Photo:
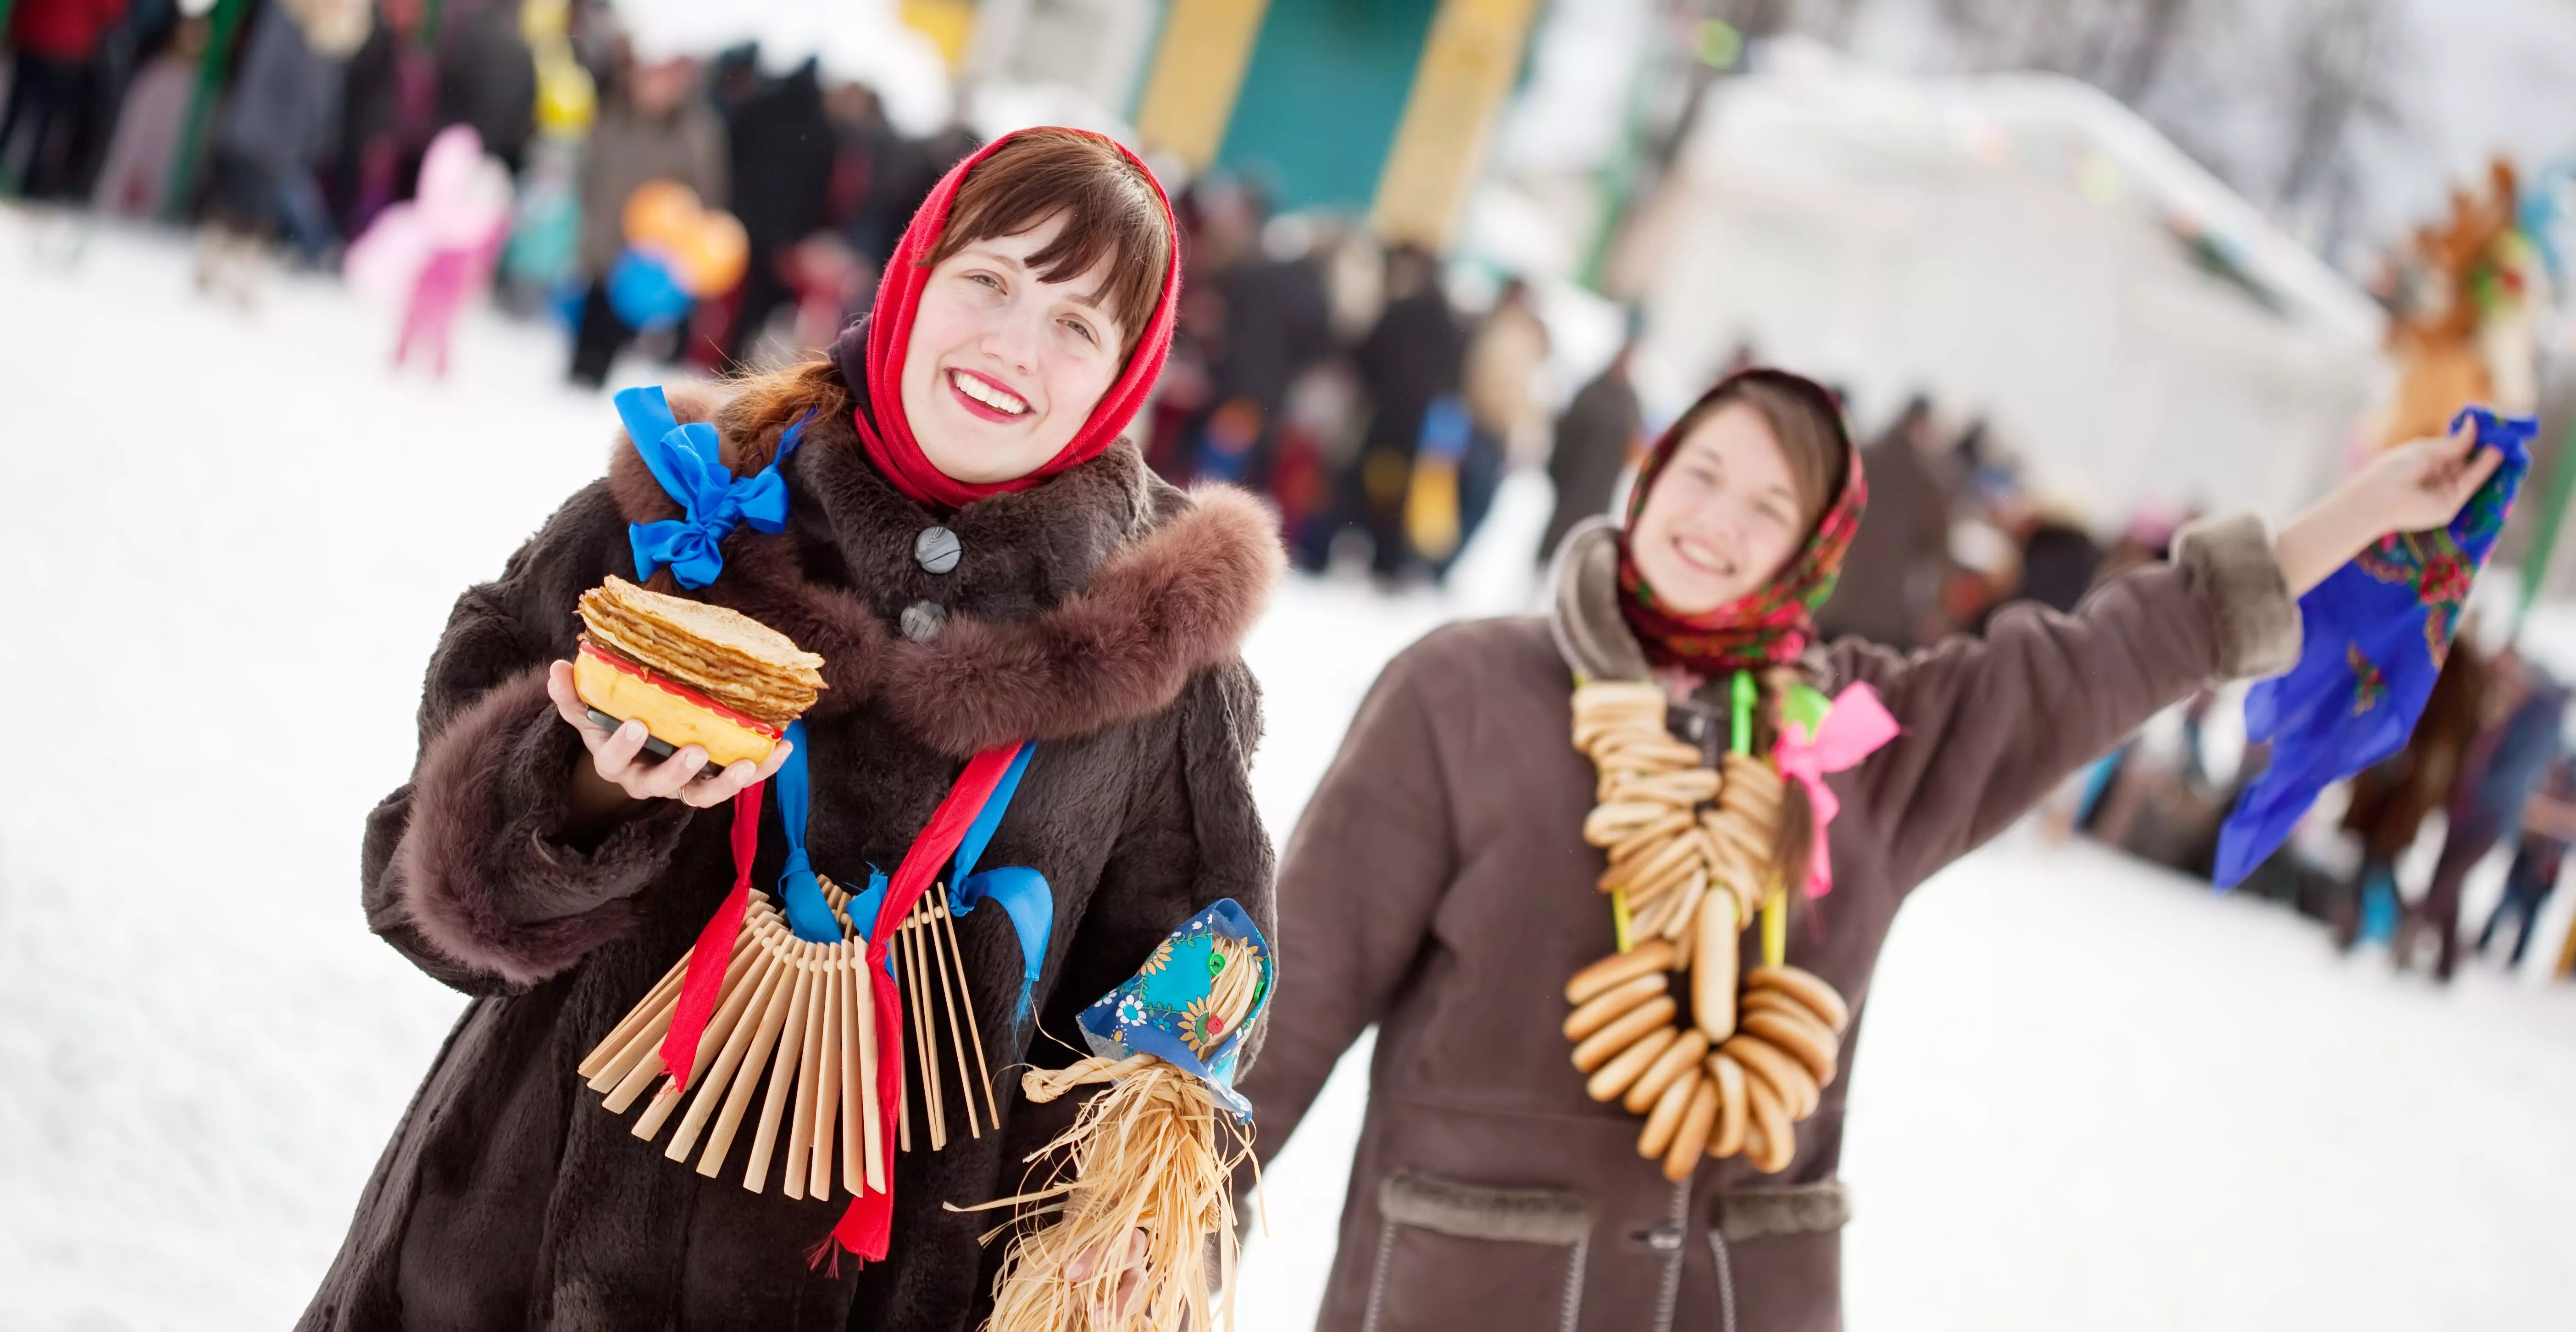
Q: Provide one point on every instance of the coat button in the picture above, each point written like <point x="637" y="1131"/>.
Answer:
<point x="922" y="620"/>
<point x="937" y="549"/>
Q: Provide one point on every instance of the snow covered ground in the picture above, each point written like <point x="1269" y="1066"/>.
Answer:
<point x="2092" y="1095"/>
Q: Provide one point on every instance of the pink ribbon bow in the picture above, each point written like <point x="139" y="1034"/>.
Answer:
<point x="1853" y="729"/>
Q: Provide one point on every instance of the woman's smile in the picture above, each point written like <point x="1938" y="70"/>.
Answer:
<point x="986" y="397"/>
<point x="1704" y="556"/>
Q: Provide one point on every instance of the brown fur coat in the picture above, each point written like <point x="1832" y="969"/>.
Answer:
<point x="1099" y="613"/>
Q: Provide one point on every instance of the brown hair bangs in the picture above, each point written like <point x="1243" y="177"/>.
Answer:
<point x="1111" y="211"/>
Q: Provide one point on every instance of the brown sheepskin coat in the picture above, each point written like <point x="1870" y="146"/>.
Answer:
<point x="1100" y="613"/>
<point x="1439" y="886"/>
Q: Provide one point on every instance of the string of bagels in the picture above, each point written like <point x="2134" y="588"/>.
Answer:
<point x="1696" y="854"/>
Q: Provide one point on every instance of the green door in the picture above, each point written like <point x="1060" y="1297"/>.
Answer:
<point x="1320" y="101"/>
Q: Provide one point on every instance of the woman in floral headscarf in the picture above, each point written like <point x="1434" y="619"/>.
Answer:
<point x="1667" y="791"/>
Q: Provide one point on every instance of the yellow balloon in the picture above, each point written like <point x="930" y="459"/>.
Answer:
<point x="713" y="260"/>
<point x="662" y="213"/>
<point x="567" y="101"/>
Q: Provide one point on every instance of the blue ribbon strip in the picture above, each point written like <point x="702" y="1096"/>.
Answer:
<point x="686" y="460"/>
<point x="800" y="894"/>
<point x="1022" y="893"/>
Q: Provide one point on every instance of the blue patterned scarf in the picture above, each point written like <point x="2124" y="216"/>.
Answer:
<point x="2375" y="634"/>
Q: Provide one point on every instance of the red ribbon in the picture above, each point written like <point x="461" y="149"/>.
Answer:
<point x="868" y="1225"/>
<point x="704" y="981"/>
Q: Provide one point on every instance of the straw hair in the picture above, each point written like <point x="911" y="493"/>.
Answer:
<point x="1153" y="1153"/>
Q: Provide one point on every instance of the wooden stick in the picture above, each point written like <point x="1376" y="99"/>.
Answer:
<point x="772" y="1019"/>
<point x="827" y="1083"/>
<point x="942" y="963"/>
<point x="645" y="1039"/>
<point x="809" y="1065"/>
<point x="782" y="1079"/>
<point x="863" y="1005"/>
<point x="974" y="1029"/>
<point x="654" y="1006"/>
<point x="857" y="1106"/>
<point x="902" y="1088"/>
<point x="739" y="984"/>
<point x="711" y="1089"/>
<point x="924" y="1055"/>
<point x="664" y="992"/>
<point x="648" y="1053"/>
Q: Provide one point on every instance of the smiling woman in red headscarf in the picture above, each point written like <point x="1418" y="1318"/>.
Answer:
<point x="975" y="548"/>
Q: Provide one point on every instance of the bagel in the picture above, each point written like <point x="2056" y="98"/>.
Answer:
<point x="1667" y="1116"/>
<point x="1646" y="866"/>
<point x="1728" y="1076"/>
<point x="1598" y="1048"/>
<point x="1713" y="967"/>
<point x="1610" y="823"/>
<point x="1786" y="1076"/>
<point x="1601" y="976"/>
<point x="1758" y="998"/>
<point x="1678" y="1058"/>
<point x="1807" y="988"/>
<point x="1652" y="834"/>
<point x="1802" y="1039"/>
<point x="1612" y="1004"/>
<point x="1685" y="921"/>
<point x="1691" y="1139"/>
<point x="1772" y="1127"/>
<point x="1616" y="1076"/>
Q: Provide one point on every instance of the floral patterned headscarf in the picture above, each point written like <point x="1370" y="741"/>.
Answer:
<point x="1767" y="627"/>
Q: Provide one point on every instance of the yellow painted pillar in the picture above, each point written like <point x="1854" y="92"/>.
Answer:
<point x="1198" y="71"/>
<point x="1468" y="63"/>
<point x="949" y="24"/>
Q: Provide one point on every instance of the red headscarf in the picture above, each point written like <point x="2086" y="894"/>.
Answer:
<point x="888" y="438"/>
<point x="1772" y="624"/>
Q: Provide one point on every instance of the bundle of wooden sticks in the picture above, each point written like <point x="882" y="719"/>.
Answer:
<point x="805" y="1012"/>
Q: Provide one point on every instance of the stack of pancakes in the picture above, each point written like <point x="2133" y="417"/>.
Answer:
<point x="662" y="660"/>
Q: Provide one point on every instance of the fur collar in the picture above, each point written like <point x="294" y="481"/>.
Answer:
<point x="1075" y="605"/>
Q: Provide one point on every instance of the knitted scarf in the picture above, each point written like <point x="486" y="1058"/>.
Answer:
<point x="1768" y="627"/>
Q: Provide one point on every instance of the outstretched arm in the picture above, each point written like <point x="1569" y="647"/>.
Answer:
<point x="1991" y="725"/>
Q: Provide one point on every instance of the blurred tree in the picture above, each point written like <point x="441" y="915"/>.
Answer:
<point x="2341" y="58"/>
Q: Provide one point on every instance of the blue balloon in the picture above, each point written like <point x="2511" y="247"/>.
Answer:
<point x="644" y="292"/>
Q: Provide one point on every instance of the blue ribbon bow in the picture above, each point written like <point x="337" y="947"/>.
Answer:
<point x="686" y="460"/>
<point x="2374" y="636"/>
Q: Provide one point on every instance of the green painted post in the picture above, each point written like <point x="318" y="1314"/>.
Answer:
<point x="2553" y="520"/>
<point x="221" y="27"/>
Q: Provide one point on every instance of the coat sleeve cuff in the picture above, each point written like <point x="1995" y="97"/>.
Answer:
<point x="2231" y="563"/>
<point x="485" y="875"/>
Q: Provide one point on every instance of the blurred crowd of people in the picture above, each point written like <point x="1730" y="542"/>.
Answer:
<point x="1340" y="377"/>
<point x="2486" y="774"/>
<point x="309" y="119"/>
